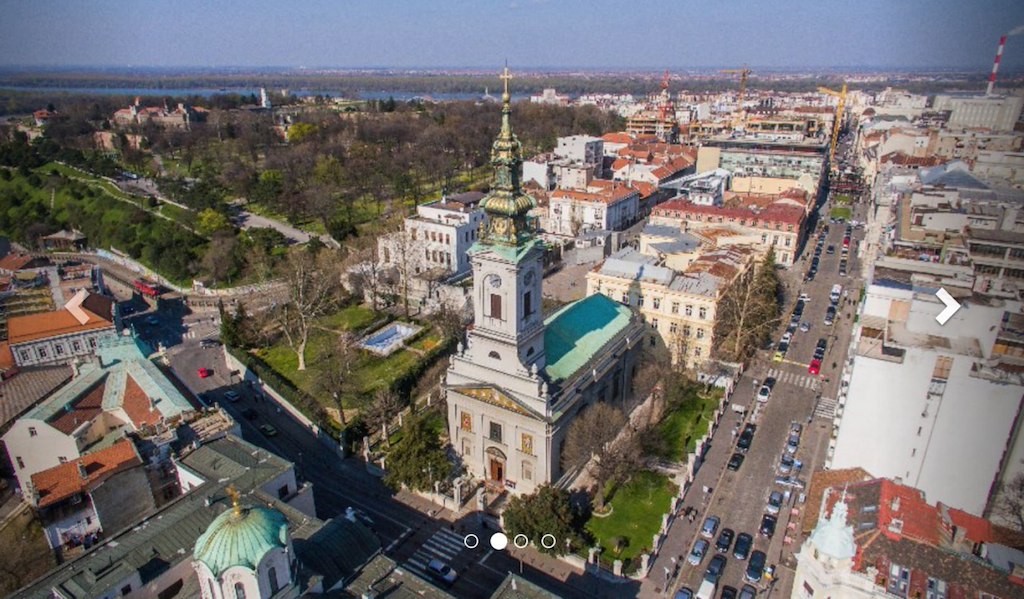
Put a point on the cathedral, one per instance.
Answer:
(519, 381)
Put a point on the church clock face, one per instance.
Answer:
(495, 281)
(500, 226)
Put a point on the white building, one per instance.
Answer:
(999, 113)
(582, 149)
(121, 391)
(64, 335)
(601, 206)
(924, 400)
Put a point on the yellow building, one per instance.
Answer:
(679, 307)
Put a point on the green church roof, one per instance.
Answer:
(577, 332)
(241, 537)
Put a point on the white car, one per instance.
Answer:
(786, 337)
(804, 327)
(804, 297)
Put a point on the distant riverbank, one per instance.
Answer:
(401, 96)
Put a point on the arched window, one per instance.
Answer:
(239, 590)
(272, 575)
(494, 355)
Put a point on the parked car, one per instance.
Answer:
(715, 568)
(804, 297)
(796, 427)
(766, 389)
(767, 528)
(780, 351)
(830, 316)
(790, 481)
(735, 462)
(792, 443)
(700, 549)
(231, 396)
(268, 430)
(442, 571)
(204, 372)
(774, 502)
(786, 337)
(724, 541)
(830, 249)
(728, 592)
(785, 464)
(745, 440)
(208, 343)
(744, 543)
(684, 593)
(755, 567)
(710, 527)
(804, 327)
(747, 592)
(814, 367)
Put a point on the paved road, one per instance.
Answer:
(739, 498)
(249, 220)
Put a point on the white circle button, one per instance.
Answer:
(471, 541)
(499, 541)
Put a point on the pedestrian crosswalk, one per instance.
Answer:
(443, 545)
(798, 380)
(825, 408)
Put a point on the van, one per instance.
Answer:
(706, 590)
(837, 291)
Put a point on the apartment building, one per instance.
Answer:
(600, 206)
(60, 336)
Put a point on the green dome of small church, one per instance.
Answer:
(241, 536)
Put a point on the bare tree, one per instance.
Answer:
(312, 284)
(1010, 501)
(366, 276)
(334, 372)
(403, 248)
(385, 406)
(748, 312)
(589, 444)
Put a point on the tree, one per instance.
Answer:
(418, 460)
(378, 415)
(210, 221)
(748, 312)
(312, 283)
(334, 373)
(221, 259)
(548, 510)
(1010, 501)
(590, 443)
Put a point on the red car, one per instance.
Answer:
(204, 372)
(815, 366)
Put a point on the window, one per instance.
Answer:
(58, 349)
(495, 432)
(654, 340)
(62, 459)
(126, 589)
(640, 300)
(527, 471)
(467, 422)
(239, 590)
(657, 303)
(88, 520)
(526, 444)
(696, 351)
(495, 306)
(675, 307)
(41, 351)
(24, 354)
(282, 492)
(32, 431)
(788, 240)
(527, 304)
(21, 463)
(689, 309)
(272, 578)
(700, 333)
(467, 446)
(673, 327)
(703, 312)
(686, 330)
(625, 298)
(654, 323)
(92, 342)
(494, 355)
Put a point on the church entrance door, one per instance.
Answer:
(495, 464)
(497, 470)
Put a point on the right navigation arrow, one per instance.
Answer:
(951, 306)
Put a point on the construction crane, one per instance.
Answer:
(839, 120)
(743, 73)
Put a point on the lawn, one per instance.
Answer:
(23, 552)
(637, 508)
(842, 212)
(680, 427)
(370, 372)
(843, 199)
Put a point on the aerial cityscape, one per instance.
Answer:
(524, 299)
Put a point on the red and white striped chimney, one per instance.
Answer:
(995, 66)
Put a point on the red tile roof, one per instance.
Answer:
(617, 138)
(6, 357)
(16, 262)
(774, 213)
(612, 193)
(63, 481)
(83, 410)
(21, 329)
(137, 404)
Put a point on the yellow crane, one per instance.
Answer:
(743, 73)
(839, 120)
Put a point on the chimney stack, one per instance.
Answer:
(995, 66)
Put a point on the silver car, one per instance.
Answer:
(700, 549)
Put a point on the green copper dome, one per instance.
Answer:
(241, 537)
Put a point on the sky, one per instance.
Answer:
(527, 33)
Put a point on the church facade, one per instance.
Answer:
(515, 386)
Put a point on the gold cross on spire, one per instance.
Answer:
(235, 496)
(506, 77)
